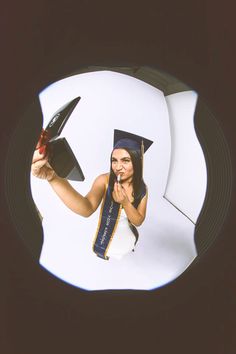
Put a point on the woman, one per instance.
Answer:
(123, 192)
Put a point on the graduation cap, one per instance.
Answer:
(131, 141)
(61, 157)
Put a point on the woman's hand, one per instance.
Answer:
(40, 166)
(119, 194)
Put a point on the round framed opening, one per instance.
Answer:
(179, 170)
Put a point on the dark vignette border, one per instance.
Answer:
(210, 221)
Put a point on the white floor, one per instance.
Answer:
(162, 253)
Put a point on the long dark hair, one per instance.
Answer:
(137, 181)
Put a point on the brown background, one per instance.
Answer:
(42, 41)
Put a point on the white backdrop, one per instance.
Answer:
(165, 249)
(188, 167)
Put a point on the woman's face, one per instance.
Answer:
(122, 165)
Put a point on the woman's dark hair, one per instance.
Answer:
(139, 186)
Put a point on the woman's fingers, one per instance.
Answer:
(37, 166)
(119, 193)
(40, 163)
(38, 156)
(40, 166)
(117, 189)
(115, 192)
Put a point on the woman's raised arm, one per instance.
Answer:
(82, 205)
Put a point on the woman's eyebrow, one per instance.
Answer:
(123, 158)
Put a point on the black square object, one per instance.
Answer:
(63, 160)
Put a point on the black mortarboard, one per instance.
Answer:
(130, 141)
(61, 157)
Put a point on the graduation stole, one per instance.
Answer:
(108, 220)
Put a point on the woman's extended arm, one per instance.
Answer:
(82, 205)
